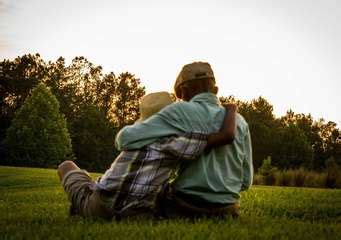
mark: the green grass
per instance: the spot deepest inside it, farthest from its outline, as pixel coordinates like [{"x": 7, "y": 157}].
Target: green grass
[{"x": 33, "y": 205}]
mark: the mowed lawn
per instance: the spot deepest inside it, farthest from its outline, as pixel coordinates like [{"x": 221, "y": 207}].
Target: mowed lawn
[{"x": 33, "y": 205}]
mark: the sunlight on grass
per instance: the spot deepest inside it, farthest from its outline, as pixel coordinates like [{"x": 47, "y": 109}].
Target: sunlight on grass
[{"x": 33, "y": 205}]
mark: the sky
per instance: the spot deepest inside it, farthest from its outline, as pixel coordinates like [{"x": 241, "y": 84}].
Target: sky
[{"x": 288, "y": 51}]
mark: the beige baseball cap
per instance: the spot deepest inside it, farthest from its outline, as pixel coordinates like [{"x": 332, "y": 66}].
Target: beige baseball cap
[
  {"x": 194, "y": 71},
  {"x": 152, "y": 103}
]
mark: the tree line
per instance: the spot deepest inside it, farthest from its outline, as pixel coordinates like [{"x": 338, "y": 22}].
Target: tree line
[
  {"x": 292, "y": 141},
  {"x": 97, "y": 105}
]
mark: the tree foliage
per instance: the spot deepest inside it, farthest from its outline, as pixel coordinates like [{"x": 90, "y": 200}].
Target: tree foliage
[
  {"x": 291, "y": 148},
  {"x": 17, "y": 79},
  {"x": 267, "y": 171},
  {"x": 38, "y": 135},
  {"x": 76, "y": 86},
  {"x": 96, "y": 105},
  {"x": 93, "y": 138},
  {"x": 125, "y": 108},
  {"x": 293, "y": 140}
]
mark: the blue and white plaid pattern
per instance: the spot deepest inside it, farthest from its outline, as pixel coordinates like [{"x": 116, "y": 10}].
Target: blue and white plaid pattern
[{"x": 136, "y": 178}]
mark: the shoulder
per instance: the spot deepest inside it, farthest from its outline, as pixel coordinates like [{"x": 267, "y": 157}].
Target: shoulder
[
  {"x": 241, "y": 120},
  {"x": 177, "y": 107},
  {"x": 241, "y": 123}
]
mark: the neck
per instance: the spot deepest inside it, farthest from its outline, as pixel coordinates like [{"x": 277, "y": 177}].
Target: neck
[{"x": 199, "y": 92}]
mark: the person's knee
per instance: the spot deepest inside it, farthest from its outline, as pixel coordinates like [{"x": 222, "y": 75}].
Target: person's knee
[{"x": 65, "y": 167}]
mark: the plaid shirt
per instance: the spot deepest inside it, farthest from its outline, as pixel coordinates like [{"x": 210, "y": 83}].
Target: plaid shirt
[{"x": 136, "y": 178}]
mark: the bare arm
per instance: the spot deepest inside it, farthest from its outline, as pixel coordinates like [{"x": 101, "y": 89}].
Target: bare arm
[{"x": 226, "y": 133}]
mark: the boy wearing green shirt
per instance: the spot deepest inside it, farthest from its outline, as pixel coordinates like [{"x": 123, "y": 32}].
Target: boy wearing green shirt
[{"x": 215, "y": 179}]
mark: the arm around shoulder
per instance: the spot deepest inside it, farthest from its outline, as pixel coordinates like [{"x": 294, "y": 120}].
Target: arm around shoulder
[
  {"x": 226, "y": 133},
  {"x": 161, "y": 124}
]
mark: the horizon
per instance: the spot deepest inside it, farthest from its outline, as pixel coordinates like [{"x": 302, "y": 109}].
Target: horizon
[{"x": 284, "y": 52}]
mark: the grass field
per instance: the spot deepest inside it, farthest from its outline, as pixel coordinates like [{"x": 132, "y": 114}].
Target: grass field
[{"x": 33, "y": 205}]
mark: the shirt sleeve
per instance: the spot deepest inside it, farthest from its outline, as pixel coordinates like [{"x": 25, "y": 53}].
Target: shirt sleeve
[
  {"x": 162, "y": 124},
  {"x": 247, "y": 162},
  {"x": 187, "y": 146}
]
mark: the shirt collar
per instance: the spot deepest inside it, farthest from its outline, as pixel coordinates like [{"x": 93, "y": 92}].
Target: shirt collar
[{"x": 206, "y": 97}]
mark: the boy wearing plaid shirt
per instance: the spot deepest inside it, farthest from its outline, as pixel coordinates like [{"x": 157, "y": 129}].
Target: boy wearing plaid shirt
[{"x": 136, "y": 179}]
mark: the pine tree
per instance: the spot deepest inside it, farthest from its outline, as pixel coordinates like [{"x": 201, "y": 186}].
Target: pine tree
[{"x": 38, "y": 135}]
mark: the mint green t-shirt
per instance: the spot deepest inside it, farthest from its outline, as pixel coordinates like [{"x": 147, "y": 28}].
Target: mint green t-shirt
[{"x": 218, "y": 176}]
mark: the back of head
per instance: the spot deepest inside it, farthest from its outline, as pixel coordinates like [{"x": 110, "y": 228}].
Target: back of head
[
  {"x": 192, "y": 74},
  {"x": 153, "y": 103}
]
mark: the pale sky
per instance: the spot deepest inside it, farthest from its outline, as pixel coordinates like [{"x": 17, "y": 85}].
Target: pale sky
[{"x": 288, "y": 51}]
